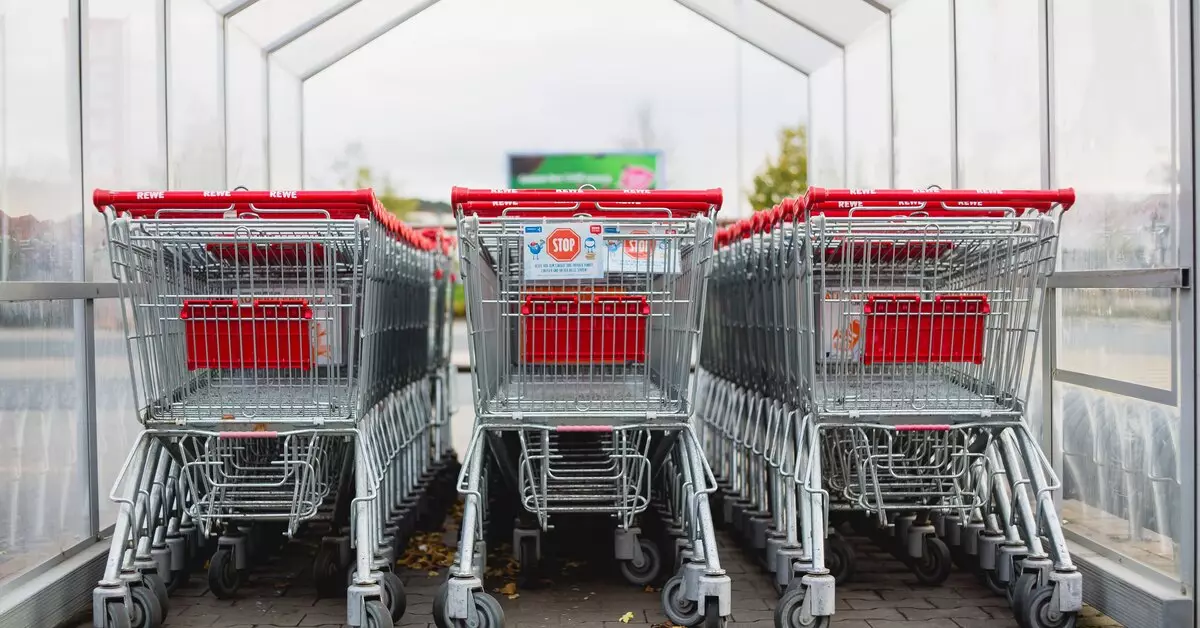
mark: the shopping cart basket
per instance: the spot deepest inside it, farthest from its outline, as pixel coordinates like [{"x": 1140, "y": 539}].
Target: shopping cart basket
[
  {"x": 894, "y": 328},
  {"x": 584, "y": 309},
  {"x": 279, "y": 344}
]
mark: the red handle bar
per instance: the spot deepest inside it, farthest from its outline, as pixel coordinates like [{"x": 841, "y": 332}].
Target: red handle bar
[
  {"x": 640, "y": 198},
  {"x": 284, "y": 205},
  {"x": 1064, "y": 197}
]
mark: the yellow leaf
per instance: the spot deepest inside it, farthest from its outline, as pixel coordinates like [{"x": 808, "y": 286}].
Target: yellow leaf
[
  {"x": 509, "y": 589},
  {"x": 433, "y": 574},
  {"x": 625, "y": 619},
  {"x": 514, "y": 596}
]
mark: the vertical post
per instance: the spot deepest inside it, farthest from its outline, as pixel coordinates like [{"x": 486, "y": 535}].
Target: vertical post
[
  {"x": 1051, "y": 433},
  {"x": 223, "y": 96},
  {"x": 891, "y": 90},
  {"x": 163, "y": 8},
  {"x": 954, "y": 176},
  {"x": 1187, "y": 57},
  {"x": 845, "y": 122}
]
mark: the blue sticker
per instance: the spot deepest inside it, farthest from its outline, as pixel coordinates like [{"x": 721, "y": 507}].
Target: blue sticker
[
  {"x": 611, "y": 230},
  {"x": 533, "y": 229}
]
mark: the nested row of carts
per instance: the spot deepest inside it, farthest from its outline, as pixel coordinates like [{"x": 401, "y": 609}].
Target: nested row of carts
[{"x": 849, "y": 358}]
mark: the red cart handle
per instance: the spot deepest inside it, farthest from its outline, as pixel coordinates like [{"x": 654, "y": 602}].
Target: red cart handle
[
  {"x": 690, "y": 202},
  {"x": 264, "y": 204},
  {"x": 1021, "y": 198}
]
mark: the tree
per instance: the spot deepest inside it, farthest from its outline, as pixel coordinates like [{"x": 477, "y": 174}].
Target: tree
[
  {"x": 784, "y": 176},
  {"x": 355, "y": 175}
]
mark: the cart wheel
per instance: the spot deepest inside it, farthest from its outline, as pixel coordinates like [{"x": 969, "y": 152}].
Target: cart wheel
[
  {"x": 1020, "y": 594},
  {"x": 680, "y": 610},
  {"x": 439, "y": 606},
  {"x": 840, "y": 558},
  {"x": 394, "y": 595},
  {"x": 376, "y": 615},
  {"x": 223, "y": 577},
  {"x": 645, "y": 572},
  {"x": 178, "y": 579},
  {"x": 1041, "y": 612},
  {"x": 487, "y": 609},
  {"x": 789, "y": 612},
  {"x": 527, "y": 556},
  {"x": 116, "y": 615},
  {"x": 990, "y": 578},
  {"x": 146, "y": 612},
  {"x": 933, "y": 567},
  {"x": 712, "y": 614},
  {"x": 155, "y": 583},
  {"x": 327, "y": 572}
]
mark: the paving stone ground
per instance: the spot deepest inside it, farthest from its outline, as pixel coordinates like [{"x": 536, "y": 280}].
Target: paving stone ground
[{"x": 581, "y": 588}]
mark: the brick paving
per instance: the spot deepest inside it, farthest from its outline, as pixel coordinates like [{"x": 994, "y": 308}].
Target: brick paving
[{"x": 585, "y": 591}]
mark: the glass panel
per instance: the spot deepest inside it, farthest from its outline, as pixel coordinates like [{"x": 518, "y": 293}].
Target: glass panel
[
  {"x": 764, "y": 118},
  {"x": 247, "y": 94},
  {"x": 1121, "y": 473},
  {"x": 194, "y": 79},
  {"x": 999, "y": 144},
  {"x": 921, "y": 81},
  {"x": 828, "y": 127},
  {"x": 1120, "y": 334},
  {"x": 286, "y": 121},
  {"x": 116, "y": 411},
  {"x": 124, "y": 113},
  {"x": 868, "y": 110},
  {"x": 267, "y": 20},
  {"x": 42, "y": 485},
  {"x": 1114, "y": 139},
  {"x": 39, "y": 179}
]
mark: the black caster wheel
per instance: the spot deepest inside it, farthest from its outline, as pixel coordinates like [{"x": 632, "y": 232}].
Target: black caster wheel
[
  {"x": 146, "y": 611},
  {"x": 328, "y": 572},
  {"x": 681, "y": 611},
  {"x": 178, "y": 579},
  {"x": 1039, "y": 611},
  {"x": 991, "y": 579},
  {"x": 394, "y": 595},
  {"x": 645, "y": 572},
  {"x": 789, "y": 612},
  {"x": 487, "y": 609},
  {"x": 158, "y": 586},
  {"x": 116, "y": 615},
  {"x": 712, "y": 614},
  {"x": 840, "y": 558},
  {"x": 375, "y": 615},
  {"x": 223, "y": 576},
  {"x": 528, "y": 558},
  {"x": 934, "y": 565},
  {"x": 1019, "y": 591}
]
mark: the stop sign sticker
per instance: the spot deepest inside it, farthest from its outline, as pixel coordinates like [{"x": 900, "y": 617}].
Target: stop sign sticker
[
  {"x": 638, "y": 246},
  {"x": 564, "y": 245},
  {"x": 563, "y": 251}
]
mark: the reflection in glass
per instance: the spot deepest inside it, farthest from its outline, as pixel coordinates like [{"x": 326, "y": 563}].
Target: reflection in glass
[
  {"x": 39, "y": 189},
  {"x": 1121, "y": 474},
  {"x": 828, "y": 126},
  {"x": 1113, "y": 139},
  {"x": 1118, "y": 334},
  {"x": 41, "y": 492},
  {"x": 197, "y": 128}
]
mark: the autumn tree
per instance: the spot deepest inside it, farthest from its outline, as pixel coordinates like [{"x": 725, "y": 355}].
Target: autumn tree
[
  {"x": 784, "y": 176},
  {"x": 355, "y": 175}
]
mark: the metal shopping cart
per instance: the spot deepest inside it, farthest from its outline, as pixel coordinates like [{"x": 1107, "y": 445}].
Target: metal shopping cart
[
  {"x": 279, "y": 346},
  {"x": 583, "y": 309},
  {"x": 886, "y": 337}
]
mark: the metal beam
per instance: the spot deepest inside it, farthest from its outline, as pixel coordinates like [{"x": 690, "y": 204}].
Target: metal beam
[
  {"x": 773, "y": 5},
  {"x": 55, "y": 290},
  {"x": 302, "y": 29},
  {"x": 879, "y": 6},
  {"x": 736, "y": 31},
  {"x": 235, "y": 8},
  {"x": 379, "y": 31}
]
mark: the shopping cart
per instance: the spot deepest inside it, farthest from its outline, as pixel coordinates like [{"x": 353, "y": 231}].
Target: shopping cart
[
  {"x": 280, "y": 353},
  {"x": 583, "y": 309},
  {"x": 890, "y": 331}
]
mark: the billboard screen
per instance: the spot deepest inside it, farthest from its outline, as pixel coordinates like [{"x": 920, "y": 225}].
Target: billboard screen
[{"x": 605, "y": 171}]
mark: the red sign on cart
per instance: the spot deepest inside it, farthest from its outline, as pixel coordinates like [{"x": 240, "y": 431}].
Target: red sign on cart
[
  {"x": 563, "y": 245},
  {"x": 562, "y": 251}
]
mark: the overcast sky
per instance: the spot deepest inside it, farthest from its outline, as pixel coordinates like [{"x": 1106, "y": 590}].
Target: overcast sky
[{"x": 442, "y": 99}]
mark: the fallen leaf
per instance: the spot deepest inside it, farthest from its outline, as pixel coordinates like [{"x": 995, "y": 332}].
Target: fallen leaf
[
  {"x": 626, "y": 618},
  {"x": 514, "y": 596},
  {"x": 649, "y": 589},
  {"x": 433, "y": 574},
  {"x": 509, "y": 589}
]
